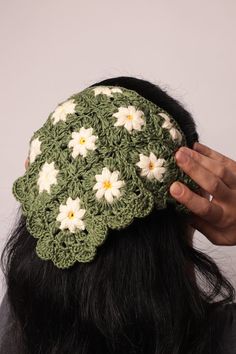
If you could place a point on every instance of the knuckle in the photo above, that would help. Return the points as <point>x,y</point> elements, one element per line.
<point>227,220</point>
<point>214,186</point>
<point>205,208</point>
<point>221,172</point>
<point>195,155</point>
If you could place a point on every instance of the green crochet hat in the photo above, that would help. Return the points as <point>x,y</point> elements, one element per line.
<point>103,157</point>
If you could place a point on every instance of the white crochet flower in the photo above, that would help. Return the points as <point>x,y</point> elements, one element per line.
<point>130,117</point>
<point>34,149</point>
<point>106,90</point>
<point>82,141</point>
<point>175,133</point>
<point>108,185</point>
<point>71,215</point>
<point>62,110</point>
<point>47,177</point>
<point>151,167</point>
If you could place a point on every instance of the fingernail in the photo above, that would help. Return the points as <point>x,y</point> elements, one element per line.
<point>176,189</point>
<point>186,151</point>
<point>181,156</point>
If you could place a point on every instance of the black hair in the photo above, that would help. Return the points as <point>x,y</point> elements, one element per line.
<point>142,292</point>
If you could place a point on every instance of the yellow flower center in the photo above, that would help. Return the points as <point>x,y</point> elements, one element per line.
<point>151,166</point>
<point>107,184</point>
<point>71,215</point>
<point>81,140</point>
<point>130,117</point>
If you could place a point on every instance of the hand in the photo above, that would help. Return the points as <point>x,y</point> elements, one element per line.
<point>216,175</point>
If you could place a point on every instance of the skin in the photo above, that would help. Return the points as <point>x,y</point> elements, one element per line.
<point>216,175</point>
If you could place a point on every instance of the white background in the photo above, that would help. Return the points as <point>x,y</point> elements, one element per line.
<point>51,49</point>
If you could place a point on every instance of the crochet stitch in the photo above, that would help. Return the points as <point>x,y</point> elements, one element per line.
<point>102,158</point>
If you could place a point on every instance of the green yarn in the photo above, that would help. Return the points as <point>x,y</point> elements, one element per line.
<point>102,158</point>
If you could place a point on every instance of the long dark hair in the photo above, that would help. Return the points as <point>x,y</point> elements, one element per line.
<point>139,295</point>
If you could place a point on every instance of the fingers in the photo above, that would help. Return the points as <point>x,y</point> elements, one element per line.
<point>202,176</point>
<point>197,204</point>
<point>218,168</point>
<point>216,175</point>
<point>215,155</point>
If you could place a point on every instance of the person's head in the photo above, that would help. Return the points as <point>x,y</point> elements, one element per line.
<point>139,295</point>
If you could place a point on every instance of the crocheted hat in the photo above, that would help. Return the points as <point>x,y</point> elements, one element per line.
<point>103,157</point>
